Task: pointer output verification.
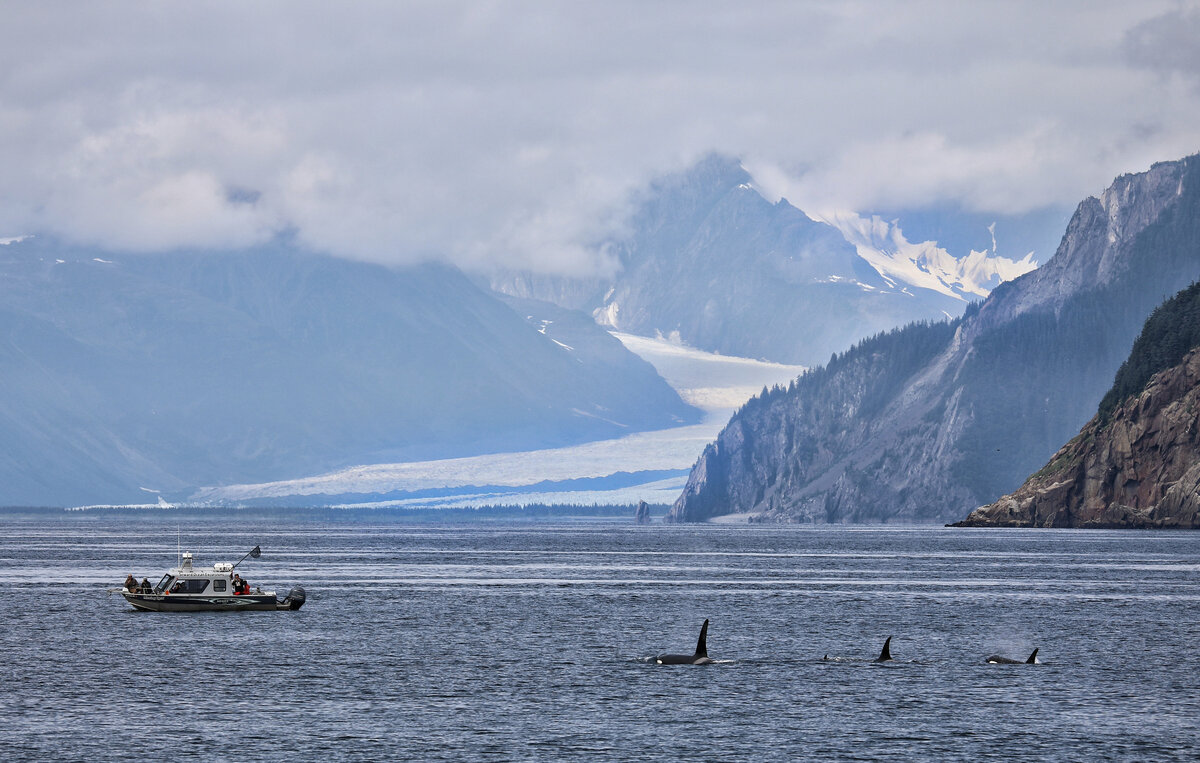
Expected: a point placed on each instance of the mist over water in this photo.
(535, 641)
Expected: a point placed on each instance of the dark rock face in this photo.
(1139, 469)
(642, 516)
(924, 424)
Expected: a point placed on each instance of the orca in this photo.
(996, 659)
(886, 654)
(699, 658)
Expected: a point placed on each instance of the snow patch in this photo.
(925, 264)
(607, 315)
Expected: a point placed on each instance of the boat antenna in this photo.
(178, 547)
(254, 552)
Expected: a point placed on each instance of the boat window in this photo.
(163, 584)
(219, 585)
(193, 585)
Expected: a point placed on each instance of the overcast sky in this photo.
(511, 132)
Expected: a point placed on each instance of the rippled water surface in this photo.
(534, 641)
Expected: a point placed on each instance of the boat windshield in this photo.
(194, 585)
(162, 584)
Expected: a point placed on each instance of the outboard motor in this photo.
(294, 600)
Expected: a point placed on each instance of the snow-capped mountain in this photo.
(924, 264)
(708, 260)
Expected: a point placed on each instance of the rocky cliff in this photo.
(924, 424)
(1140, 468)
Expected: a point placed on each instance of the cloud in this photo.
(929, 167)
(1169, 44)
(512, 133)
(165, 180)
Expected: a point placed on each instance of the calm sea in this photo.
(517, 641)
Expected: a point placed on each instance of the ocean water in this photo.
(519, 641)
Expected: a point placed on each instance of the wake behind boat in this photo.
(187, 588)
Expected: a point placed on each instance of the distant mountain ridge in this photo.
(132, 376)
(925, 264)
(926, 423)
(708, 260)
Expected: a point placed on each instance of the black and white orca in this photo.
(996, 659)
(886, 654)
(699, 658)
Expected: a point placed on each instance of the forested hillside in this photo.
(1170, 332)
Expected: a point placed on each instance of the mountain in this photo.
(1137, 462)
(925, 423)
(126, 374)
(708, 260)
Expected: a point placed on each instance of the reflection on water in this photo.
(519, 641)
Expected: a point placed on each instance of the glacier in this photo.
(717, 384)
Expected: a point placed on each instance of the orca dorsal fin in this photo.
(702, 644)
(886, 654)
(1032, 658)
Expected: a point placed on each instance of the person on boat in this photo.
(145, 586)
(130, 583)
(238, 584)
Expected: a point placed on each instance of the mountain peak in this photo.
(719, 169)
(709, 179)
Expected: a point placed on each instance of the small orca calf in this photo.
(699, 658)
(886, 654)
(996, 659)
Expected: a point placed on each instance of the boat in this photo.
(188, 588)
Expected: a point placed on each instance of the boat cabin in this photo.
(187, 579)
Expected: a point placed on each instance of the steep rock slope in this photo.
(1141, 469)
(173, 371)
(1137, 462)
(924, 424)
